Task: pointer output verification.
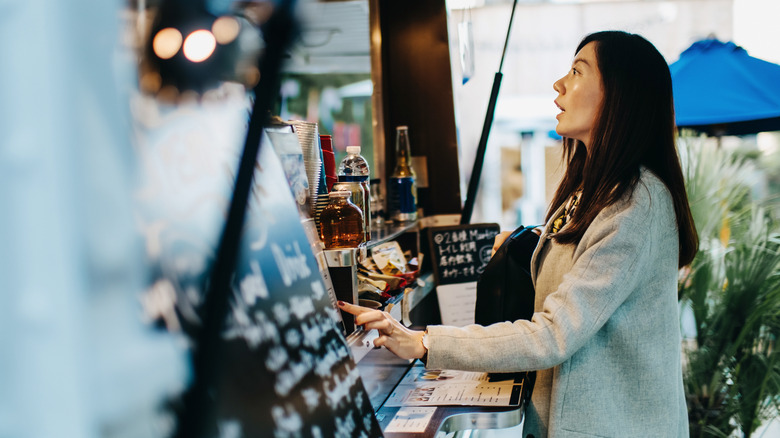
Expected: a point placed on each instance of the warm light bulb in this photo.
(199, 45)
(166, 43)
(225, 29)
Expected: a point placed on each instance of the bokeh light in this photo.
(225, 29)
(199, 45)
(251, 77)
(167, 43)
(150, 81)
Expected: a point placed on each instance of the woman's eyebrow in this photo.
(580, 60)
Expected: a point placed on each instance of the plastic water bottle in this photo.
(354, 168)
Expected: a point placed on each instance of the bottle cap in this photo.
(353, 150)
(402, 128)
(339, 194)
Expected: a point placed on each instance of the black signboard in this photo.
(286, 369)
(460, 253)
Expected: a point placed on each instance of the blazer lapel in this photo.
(545, 236)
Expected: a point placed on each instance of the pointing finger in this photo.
(370, 316)
(353, 309)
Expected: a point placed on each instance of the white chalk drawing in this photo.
(292, 266)
(312, 333)
(368, 419)
(335, 353)
(241, 326)
(292, 338)
(311, 398)
(340, 391)
(301, 306)
(293, 374)
(345, 426)
(276, 358)
(317, 289)
(288, 421)
(255, 332)
(253, 285)
(281, 313)
(333, 314)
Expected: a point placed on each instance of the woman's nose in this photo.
(558, 86)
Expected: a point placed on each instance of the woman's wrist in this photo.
(424, 344)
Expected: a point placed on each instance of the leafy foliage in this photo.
(732, 373)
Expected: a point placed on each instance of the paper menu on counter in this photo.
(418, 374)
(411, 420)
(421, 387)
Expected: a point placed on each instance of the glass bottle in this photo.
(377, 201)
(354, 168)
(357, 198)
(402, 185)
(341, 222)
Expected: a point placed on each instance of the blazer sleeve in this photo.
(610, 262)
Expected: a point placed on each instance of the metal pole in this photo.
(476, 171)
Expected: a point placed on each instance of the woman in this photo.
(605, 334)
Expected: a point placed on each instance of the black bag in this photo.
(505, 291)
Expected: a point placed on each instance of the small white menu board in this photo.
(457, 303)
(421, 387)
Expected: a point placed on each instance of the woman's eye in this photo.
(574, 71)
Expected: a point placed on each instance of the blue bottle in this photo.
(402, 185)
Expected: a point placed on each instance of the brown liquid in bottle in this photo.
(341, 222)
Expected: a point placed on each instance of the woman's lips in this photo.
(560, 108)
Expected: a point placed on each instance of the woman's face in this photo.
(580, 94)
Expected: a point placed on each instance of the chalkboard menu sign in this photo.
(286, 370)
(461, 252)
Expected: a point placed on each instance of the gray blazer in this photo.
(605, 335)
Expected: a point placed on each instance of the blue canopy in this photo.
(721, 90)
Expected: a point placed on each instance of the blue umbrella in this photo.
(721, 90)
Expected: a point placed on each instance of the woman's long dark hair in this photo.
(635, 128)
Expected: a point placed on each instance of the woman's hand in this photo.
(500, 238)
(404, 343)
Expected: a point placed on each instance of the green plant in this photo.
(732, 371)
